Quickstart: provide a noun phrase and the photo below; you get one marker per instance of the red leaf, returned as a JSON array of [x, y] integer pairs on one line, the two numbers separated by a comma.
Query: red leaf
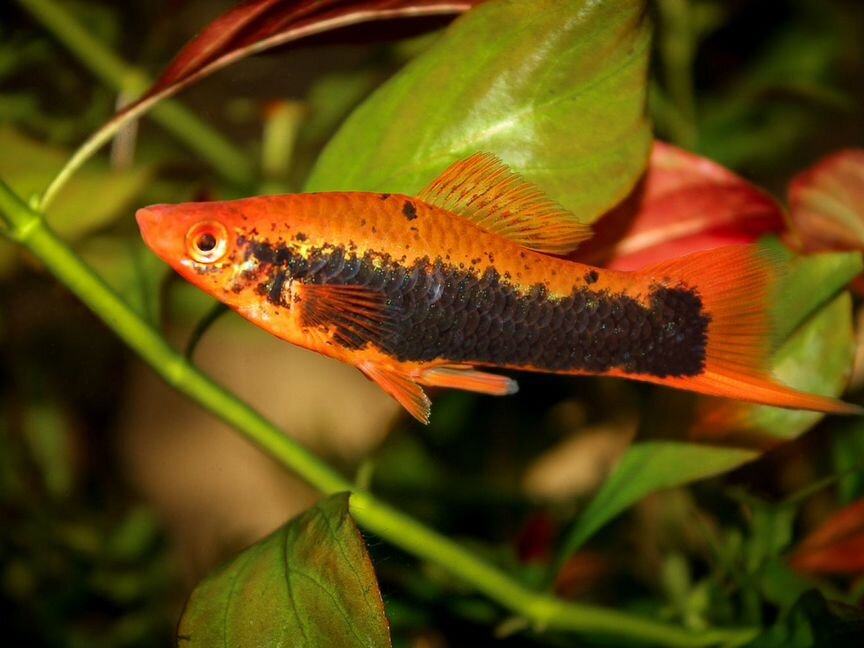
[[837, 547], [827, 203], [582, 573], [684, 203], [257, 25], [535, 540]]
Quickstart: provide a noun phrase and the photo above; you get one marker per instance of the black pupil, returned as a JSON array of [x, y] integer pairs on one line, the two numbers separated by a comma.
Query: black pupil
[[206, 242]]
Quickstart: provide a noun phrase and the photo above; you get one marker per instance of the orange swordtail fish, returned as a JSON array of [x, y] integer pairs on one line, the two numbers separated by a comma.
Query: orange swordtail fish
[[423, 290]]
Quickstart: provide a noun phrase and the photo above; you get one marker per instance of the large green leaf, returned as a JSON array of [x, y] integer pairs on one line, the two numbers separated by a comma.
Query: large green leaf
[[556, 89], [308, 585], [646, 468]]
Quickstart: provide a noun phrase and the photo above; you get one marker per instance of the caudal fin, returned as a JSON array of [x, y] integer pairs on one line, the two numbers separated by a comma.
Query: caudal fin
[[736, 285]]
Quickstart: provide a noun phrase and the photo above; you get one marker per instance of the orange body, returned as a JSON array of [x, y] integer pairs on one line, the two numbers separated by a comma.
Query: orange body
[[422, 290]]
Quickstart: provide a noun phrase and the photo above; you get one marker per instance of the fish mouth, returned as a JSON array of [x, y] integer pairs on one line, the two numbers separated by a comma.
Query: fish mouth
[[152, 223], [150, 217]]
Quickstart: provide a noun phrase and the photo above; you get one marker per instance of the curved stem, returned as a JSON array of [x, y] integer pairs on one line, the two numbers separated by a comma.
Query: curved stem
[[28, 229], [676, 48], [202, 326], [183, 124]]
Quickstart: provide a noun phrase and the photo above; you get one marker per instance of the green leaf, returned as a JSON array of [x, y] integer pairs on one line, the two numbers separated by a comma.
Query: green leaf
[[771, 532], [48, 433], [557, 90], [308, 585], [816, 359], [646, 468], [92, 199], [809, 283], [815, 622], [781, 585], [847, 452]]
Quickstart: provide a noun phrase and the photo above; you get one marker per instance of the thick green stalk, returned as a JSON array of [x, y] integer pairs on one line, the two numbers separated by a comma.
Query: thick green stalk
[[183, 124], [29, 229]]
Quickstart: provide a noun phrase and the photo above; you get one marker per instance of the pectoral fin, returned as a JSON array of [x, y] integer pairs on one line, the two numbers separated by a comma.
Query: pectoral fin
[[486, 192], [356, 314], [401, 387]]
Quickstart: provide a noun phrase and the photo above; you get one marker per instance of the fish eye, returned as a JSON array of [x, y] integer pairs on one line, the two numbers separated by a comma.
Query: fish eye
[[207, 241]]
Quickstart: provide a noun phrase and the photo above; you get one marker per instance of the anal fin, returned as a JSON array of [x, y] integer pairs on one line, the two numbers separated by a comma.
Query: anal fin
[[401, 387], [467, 378]]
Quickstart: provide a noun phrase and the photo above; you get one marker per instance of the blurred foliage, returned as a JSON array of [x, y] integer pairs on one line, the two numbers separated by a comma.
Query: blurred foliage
[[763, 87], [752, 84]]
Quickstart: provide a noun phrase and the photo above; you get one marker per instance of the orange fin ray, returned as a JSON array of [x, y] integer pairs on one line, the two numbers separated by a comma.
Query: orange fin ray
[[351, 310], [467, 378], [736, 285], [765, 391], [485, 191], [401, 387]]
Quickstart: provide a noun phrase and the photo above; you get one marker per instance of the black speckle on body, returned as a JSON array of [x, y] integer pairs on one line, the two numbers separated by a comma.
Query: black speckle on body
[[591, 277], [409, 210], [383, 196], [274, 288], [434, 310]]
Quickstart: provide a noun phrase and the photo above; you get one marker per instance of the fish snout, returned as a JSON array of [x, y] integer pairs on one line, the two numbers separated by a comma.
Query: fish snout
[[150, 217], [158, 227]]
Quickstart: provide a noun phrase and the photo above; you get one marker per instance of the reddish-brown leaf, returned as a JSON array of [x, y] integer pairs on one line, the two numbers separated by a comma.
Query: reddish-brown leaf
[[837, 547], [251, 27], [536, 538], [258, 25], [684, 203], [582, 573], [827, 203]]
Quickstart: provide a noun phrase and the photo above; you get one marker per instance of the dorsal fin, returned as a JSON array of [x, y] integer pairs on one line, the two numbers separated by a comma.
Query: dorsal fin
[[484, 190]]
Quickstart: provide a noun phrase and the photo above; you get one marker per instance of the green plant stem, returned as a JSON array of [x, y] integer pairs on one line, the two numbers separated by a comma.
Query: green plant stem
[[677, 50], [28, 228], [218, 310], [184, 125]]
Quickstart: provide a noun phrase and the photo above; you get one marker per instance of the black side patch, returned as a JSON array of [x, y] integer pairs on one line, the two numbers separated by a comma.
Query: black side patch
[[434, 310]]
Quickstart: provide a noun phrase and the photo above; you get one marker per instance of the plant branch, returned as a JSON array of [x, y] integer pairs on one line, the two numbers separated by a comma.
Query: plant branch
[[184, 125], [28, 229], [676, 47]]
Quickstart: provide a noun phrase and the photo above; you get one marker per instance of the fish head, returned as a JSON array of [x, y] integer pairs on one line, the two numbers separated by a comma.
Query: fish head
[[236, 251], [193, 238]]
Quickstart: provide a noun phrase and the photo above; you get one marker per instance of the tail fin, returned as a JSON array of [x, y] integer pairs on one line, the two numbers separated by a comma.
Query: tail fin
[[736, 285]]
